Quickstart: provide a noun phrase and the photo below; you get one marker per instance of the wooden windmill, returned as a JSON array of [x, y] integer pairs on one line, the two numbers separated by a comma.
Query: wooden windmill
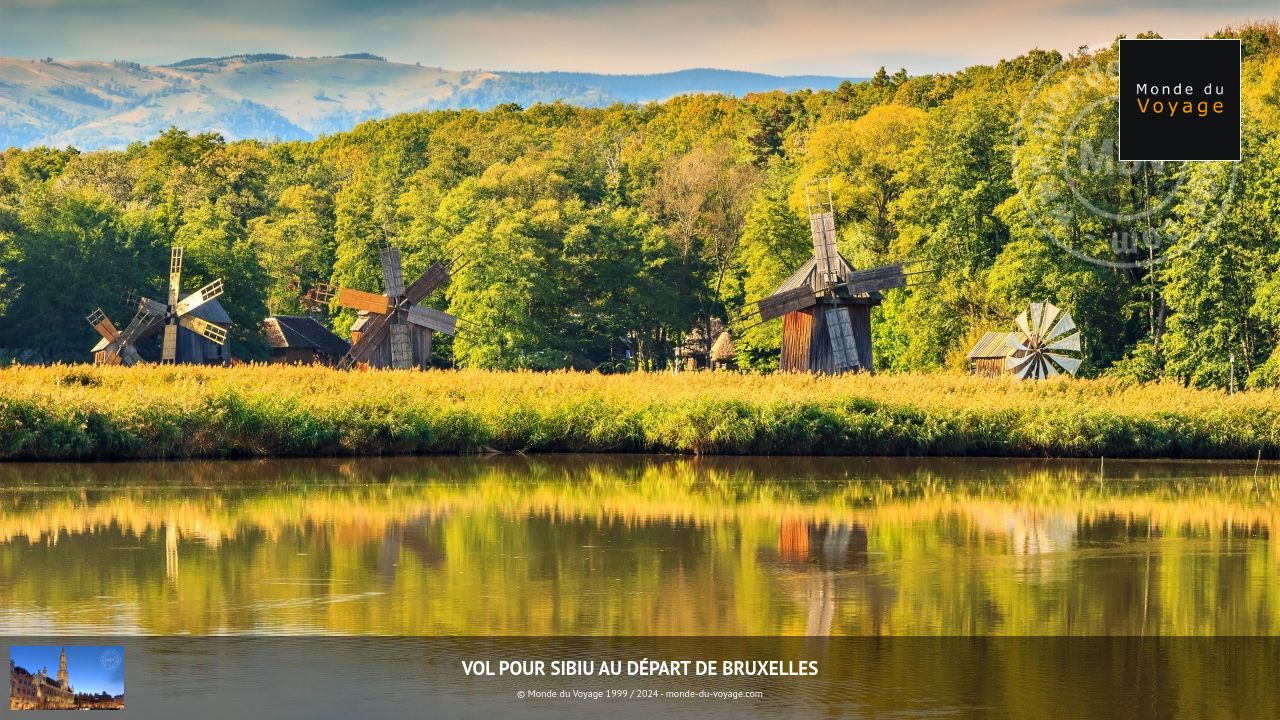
[[199, 314], [825, 305], [394, 330]]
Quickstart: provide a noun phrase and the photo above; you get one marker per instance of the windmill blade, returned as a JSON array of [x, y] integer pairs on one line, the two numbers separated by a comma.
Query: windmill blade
[[885, 277], [143, 321], [169, 348], [780, 304], [1017, 363], [1017, 343], [1064, 325], [840, 334], [198, 298], [401, 346], [1071, 342], [154, 307], [1022, 324], [432, 319], [375, 330], [1047, 369], [436, 276], [392, 272], [361, 300], [1046, 320], [175, 274], [1037, 310], [100, 322], [822, 226], [1069, 364], [204, 328]]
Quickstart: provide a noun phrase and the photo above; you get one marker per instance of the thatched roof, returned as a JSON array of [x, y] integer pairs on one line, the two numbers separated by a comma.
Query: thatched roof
[[722, 348], [292, 331]]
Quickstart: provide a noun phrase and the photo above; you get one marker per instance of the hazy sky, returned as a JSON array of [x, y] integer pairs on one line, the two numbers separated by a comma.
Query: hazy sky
[[622, 36]]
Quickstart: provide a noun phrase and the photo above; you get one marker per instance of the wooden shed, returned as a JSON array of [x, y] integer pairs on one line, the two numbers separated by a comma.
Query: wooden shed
[[298, 340], [989, 353], [806, 334]]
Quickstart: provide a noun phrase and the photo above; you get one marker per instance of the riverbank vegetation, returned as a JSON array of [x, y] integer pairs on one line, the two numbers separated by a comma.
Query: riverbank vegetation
[[602, 237], [83, 412]]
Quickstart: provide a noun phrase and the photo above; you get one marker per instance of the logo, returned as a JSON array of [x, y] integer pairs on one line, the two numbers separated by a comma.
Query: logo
[[110, 659], [1081, 196]]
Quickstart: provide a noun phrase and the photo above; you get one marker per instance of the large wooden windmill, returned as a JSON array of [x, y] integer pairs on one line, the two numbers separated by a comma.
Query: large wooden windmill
[[204, 321], [394, 330], [825, 305]]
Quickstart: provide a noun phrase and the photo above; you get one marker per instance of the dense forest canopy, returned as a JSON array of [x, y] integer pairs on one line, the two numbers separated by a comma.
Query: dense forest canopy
[[602, 237]]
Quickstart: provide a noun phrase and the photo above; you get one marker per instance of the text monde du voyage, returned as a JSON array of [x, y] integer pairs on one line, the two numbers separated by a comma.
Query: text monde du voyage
[[640, 668], [1180, 99]]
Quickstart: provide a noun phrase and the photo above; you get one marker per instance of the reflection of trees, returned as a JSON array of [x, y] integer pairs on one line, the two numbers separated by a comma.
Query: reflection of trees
[[641, 546]]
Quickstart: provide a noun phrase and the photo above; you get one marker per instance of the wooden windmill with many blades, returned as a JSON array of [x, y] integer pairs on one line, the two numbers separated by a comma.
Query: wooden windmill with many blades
[[825, 305], [1041, 350], [393, 330], [199, 313]]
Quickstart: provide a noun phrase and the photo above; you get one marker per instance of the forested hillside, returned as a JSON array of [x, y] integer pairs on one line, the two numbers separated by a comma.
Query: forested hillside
[[603, 236], [270, 96]]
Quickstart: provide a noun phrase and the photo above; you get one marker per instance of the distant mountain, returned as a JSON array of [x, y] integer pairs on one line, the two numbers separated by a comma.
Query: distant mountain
[[92, 104]]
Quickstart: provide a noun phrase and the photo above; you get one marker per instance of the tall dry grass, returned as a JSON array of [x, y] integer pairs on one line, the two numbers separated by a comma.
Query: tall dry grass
[[80, 412]]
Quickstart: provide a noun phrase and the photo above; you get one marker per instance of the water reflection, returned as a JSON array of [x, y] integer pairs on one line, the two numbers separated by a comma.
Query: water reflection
[[639, 546]]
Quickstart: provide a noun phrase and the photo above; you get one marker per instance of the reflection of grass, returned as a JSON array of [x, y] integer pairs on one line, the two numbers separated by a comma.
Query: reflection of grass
[[641, 546], [63, 412], [673, 491]]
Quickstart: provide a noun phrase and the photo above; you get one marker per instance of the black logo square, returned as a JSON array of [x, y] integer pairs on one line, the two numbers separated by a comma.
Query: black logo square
[[1179, 100]]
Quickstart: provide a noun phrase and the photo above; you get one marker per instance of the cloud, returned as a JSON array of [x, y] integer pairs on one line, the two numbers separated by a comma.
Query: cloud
[[802, 36]]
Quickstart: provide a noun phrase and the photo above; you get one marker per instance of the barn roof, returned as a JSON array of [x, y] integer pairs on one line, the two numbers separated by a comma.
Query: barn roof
[[292, 331], [993, 345]]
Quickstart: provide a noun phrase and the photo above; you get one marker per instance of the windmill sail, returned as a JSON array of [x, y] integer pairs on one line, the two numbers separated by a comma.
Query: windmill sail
[[392, 272], [1038, 351], [840, 332], [822, 226]]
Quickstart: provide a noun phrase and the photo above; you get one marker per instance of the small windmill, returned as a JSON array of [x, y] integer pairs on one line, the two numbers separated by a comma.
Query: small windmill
[[395, 331], [825, 305], [1039, 350], [152, 315]]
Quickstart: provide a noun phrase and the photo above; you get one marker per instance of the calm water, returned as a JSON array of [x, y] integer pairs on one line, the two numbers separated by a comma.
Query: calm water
[[639, 546]]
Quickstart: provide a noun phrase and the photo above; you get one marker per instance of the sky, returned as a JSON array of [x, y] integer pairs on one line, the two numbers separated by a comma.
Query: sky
[[85, 668], [826, 37]]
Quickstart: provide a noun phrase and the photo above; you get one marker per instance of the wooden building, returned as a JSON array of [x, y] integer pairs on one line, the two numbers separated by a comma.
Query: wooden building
[[297, 340], [379, 356], [825, 305], [807, 333], [192, 348], [989, 353]]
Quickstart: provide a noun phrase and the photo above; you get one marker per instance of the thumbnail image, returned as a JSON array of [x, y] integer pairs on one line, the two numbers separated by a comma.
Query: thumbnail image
[[89, 677]]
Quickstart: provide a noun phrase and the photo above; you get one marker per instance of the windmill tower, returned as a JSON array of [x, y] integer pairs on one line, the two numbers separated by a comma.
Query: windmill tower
[[825, 305], [393, 330], [195, 326]]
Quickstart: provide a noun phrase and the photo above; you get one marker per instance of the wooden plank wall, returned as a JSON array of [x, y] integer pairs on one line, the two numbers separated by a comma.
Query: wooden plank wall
[[381, 355], [797, 330]]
